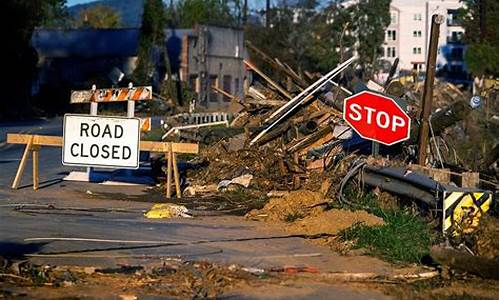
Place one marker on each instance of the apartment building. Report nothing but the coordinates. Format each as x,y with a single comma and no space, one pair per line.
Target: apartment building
408,35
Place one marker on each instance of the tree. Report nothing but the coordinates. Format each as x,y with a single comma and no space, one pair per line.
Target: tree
210,12
480,20
20,58
98,16
288,37
370,20
311,39
152,37
333,37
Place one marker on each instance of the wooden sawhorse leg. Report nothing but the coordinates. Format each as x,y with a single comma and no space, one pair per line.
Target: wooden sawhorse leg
36,153
172,166
22,164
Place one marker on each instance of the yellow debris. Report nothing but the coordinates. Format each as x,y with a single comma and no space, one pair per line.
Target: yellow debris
167,211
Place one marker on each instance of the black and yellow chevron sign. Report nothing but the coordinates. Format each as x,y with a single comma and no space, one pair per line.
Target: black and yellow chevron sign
463,210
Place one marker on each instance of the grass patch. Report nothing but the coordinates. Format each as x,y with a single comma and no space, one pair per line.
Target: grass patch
404,238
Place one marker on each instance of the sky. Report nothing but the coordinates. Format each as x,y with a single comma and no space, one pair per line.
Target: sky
74,2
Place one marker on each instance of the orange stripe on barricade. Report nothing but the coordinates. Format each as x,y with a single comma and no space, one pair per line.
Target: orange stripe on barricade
112,95
146,124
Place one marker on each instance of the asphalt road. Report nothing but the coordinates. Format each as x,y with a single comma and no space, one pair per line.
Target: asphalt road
62,209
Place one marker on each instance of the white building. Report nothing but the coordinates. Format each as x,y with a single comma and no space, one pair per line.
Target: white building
407,37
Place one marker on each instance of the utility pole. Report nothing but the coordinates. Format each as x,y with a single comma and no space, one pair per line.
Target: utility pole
245,11
268,13
430,72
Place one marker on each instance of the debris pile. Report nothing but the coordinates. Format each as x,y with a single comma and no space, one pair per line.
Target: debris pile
289,144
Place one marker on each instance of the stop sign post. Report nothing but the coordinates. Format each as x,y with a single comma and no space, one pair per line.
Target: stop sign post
377,118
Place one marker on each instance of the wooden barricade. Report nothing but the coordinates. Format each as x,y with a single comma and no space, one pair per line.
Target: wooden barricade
35,142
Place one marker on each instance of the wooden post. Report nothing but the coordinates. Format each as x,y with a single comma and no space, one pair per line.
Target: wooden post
22,163
36,152
430,71
169,171
176,177
469,180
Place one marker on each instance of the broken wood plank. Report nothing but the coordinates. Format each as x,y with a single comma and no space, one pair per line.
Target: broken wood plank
274,103
309,140
321,141
300,99
277,65
269,80
224,93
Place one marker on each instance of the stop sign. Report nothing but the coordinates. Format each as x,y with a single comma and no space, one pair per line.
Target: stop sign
377,118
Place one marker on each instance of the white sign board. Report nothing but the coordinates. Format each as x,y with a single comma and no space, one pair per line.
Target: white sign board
100,141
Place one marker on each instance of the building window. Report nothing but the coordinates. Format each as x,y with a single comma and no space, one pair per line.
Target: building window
391,52
212,96
226,86
418,67
455,37
417,17
452,18
417,50
236,87
394,18
391,35
192,82
417,33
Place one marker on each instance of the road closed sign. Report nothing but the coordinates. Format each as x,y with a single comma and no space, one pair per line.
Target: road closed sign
377,118
100,141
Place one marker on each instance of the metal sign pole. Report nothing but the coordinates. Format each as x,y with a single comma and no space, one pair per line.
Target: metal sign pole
93,112
375,148
130,114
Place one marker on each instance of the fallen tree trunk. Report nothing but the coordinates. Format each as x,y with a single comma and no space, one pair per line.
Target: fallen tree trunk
465,262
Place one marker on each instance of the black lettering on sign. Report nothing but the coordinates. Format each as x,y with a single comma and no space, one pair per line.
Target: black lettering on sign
118,131
105,151
94,150
126,152
82,154
72,153
95,130
114,152
107,131
84,127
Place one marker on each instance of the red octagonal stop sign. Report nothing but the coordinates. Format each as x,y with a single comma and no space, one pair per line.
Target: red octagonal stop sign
377,118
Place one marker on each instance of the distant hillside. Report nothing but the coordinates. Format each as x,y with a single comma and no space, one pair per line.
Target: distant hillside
129,10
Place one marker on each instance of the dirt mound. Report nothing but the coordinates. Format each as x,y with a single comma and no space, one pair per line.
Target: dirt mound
295,205
333,221
302,212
